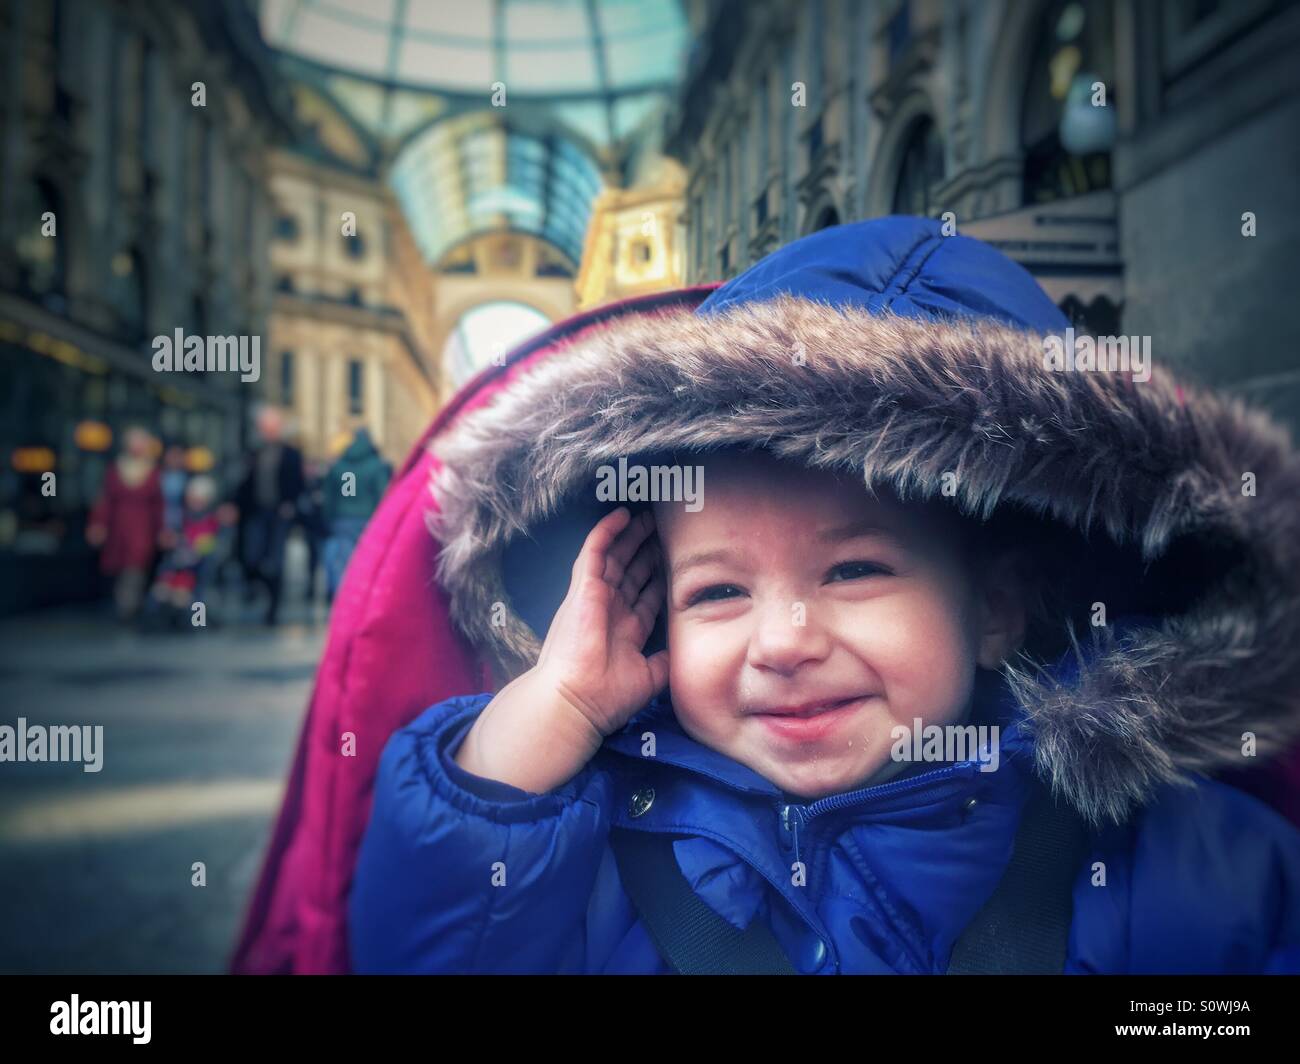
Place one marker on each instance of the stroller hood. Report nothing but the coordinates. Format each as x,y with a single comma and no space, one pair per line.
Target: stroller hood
891,351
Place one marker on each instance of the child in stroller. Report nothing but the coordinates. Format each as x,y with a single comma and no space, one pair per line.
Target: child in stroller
186,569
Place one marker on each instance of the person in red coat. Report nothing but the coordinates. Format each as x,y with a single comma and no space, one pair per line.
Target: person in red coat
127,520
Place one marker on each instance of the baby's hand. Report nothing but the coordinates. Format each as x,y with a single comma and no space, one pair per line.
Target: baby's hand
591,675
592,655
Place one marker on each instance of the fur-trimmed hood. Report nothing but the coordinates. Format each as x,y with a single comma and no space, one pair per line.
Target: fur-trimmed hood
881,352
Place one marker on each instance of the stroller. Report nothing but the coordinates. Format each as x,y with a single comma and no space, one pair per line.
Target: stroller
296,921
185,570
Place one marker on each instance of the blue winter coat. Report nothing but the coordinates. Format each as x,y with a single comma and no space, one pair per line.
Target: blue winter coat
1206,879
891,350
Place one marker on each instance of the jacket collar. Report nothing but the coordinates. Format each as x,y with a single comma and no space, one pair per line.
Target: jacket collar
737,825
919,784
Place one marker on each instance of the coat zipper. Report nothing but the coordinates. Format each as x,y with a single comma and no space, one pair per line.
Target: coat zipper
790,822
794,816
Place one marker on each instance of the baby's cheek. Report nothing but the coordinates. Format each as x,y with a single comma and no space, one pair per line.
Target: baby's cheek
925,659
701,680
688,661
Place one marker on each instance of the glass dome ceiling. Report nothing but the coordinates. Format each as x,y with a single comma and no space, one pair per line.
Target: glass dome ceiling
583,79
473,174
595,48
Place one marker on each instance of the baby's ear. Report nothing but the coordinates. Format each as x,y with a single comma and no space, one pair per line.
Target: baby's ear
1003,607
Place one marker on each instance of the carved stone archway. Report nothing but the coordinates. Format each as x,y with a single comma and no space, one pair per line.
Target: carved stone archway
893,145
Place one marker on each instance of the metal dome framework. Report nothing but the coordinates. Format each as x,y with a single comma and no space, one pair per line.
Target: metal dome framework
474,174
415,80
601,65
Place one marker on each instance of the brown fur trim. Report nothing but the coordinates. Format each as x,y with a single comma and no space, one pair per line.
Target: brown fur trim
901,402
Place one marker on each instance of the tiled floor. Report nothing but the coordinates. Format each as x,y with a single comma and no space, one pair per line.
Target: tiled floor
96,868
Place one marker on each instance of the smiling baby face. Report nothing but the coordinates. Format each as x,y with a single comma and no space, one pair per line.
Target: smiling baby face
806,619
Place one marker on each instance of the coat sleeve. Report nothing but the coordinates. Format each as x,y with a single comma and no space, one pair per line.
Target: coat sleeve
459,874
1208,882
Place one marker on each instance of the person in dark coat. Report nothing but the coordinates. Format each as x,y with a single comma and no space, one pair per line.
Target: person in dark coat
932,579
311,520
268,504
350,493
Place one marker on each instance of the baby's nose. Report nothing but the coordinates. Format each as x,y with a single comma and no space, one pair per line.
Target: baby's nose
786,636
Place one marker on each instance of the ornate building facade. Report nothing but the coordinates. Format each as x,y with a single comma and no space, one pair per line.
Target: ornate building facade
382,308
488,152
636,239
1113,147
349,328
134,200
386,199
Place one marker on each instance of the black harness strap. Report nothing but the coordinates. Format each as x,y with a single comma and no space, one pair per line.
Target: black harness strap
691,937
1023,928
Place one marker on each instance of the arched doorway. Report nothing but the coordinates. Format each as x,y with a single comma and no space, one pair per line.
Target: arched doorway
485,334
920,169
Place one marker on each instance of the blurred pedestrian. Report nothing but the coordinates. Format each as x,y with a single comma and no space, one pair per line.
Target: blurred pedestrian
173,477
268,504
126,521
350,494
312,519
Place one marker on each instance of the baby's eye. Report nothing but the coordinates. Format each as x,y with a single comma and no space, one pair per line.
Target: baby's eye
856,571
715,593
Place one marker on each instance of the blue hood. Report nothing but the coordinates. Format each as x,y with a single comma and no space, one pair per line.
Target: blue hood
925,374
897,265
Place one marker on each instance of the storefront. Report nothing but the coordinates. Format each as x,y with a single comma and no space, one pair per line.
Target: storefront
64,404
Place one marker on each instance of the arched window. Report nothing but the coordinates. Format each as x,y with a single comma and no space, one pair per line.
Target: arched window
920,170
828,217
1068,116
131,272
356,387
41,256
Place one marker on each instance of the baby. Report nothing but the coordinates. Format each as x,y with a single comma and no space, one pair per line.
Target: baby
807,621
726,721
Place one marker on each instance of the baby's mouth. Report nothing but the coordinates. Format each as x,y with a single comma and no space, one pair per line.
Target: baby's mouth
808,709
